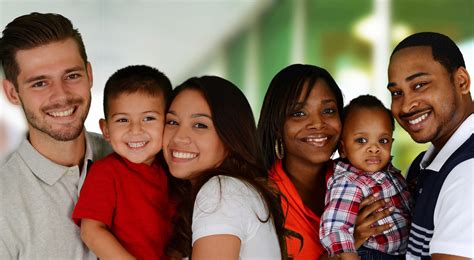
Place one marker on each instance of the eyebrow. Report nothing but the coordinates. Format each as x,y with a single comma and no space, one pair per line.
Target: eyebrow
192,115
144,112
41,77
409,78
325,101
118,114
366,133
151,111
360,133
77,68
32,79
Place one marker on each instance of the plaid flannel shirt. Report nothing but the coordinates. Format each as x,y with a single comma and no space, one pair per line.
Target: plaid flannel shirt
347,187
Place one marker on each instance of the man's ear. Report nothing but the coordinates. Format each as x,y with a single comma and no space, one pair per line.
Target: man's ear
104,129
10,92
89,74
462,80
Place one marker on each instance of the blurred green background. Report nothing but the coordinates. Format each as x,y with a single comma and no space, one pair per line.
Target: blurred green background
351,39
248,42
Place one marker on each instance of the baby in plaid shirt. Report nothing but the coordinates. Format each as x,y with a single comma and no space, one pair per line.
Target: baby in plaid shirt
365,169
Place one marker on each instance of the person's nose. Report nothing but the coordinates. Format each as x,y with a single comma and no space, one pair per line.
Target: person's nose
181,135
374,148
409,103
316,121
60,92
136,127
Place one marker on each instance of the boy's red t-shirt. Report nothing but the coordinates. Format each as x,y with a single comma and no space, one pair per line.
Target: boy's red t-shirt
132,200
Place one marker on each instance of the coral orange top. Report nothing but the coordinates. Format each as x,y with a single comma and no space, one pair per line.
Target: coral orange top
299,218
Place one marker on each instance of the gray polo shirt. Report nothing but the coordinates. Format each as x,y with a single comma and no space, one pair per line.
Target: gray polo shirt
37,198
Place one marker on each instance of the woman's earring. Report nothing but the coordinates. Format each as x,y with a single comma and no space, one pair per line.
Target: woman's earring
279,150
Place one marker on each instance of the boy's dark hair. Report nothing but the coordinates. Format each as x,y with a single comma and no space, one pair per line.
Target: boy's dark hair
31,31
443,49
136,78
366,101
281,100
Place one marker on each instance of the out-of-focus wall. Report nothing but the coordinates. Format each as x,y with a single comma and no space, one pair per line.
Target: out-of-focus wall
173,36
248,42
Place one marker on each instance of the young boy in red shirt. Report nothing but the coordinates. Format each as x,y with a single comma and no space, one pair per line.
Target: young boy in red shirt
124,208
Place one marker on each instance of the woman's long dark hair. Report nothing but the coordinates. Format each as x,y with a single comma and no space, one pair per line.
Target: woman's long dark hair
282,97
235,125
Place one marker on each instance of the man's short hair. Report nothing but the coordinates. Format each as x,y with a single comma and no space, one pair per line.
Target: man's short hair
443,49
136,78
31,31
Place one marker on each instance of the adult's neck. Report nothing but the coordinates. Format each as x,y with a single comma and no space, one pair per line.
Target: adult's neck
66,153
309,181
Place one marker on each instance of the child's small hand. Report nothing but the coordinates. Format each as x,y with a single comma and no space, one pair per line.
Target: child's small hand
369,213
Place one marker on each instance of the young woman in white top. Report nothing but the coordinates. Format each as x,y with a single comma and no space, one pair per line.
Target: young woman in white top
226,207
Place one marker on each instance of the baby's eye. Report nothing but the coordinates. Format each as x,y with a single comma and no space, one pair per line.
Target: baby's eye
384,141
361,140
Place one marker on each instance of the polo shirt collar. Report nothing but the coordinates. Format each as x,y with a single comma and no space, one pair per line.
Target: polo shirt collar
43,168
89,156
88,159
465,130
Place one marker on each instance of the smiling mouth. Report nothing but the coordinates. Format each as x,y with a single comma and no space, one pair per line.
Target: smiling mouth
184,155
316,141
64,113
418,119
136,145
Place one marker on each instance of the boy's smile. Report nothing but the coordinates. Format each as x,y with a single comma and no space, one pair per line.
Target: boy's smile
134,126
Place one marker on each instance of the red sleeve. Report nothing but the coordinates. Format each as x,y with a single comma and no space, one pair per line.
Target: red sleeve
98,196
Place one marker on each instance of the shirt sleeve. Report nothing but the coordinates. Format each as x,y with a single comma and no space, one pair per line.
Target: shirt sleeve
223,206
97,199
453,215
337,222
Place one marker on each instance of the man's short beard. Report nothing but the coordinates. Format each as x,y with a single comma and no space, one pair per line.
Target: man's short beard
65,135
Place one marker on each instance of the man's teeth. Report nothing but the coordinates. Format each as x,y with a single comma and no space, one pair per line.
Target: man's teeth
316,139
62,113
137,144
183,155
417,120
